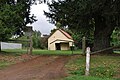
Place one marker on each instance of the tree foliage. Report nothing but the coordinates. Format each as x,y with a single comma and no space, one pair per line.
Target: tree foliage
115,37
14,16
97,17
36,39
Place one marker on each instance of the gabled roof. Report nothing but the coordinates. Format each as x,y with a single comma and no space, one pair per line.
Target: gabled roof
64,33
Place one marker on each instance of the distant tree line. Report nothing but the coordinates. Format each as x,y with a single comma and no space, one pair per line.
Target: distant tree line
39,42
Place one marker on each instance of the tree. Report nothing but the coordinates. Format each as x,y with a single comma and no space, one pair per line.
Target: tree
36,39
44,42
14,16
87,16
115,37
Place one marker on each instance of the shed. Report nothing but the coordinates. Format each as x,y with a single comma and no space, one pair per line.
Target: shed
60,40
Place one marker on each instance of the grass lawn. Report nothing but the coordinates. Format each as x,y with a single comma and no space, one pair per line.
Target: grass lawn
78,77
15,53
4,64
117,52
41,52
101,68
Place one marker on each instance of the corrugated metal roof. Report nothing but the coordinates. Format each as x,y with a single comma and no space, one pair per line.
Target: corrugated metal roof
65,33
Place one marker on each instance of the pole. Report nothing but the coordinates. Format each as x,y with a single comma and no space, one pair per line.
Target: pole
29,34
0,46
83,45
27,45
87,61
72,48
31,43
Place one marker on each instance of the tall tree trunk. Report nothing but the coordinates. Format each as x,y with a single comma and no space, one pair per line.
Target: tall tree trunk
0,46
102,34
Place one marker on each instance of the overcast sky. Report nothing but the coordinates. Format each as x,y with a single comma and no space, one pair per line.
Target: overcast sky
42,24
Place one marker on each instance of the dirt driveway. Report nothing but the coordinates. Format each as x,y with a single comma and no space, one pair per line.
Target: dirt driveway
39,68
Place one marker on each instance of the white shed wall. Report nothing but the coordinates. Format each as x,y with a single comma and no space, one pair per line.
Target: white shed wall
5,45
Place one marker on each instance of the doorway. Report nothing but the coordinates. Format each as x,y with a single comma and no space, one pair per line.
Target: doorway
58,47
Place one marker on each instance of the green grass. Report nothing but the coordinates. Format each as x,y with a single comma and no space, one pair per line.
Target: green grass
78,77
15,52
117,52
100,66
4,64
41,52
58,52
18,52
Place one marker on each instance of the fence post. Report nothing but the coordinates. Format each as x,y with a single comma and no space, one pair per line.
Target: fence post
83,45
31,44
87,61
29,31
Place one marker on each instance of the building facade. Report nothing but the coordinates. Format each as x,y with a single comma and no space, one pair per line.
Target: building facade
60,40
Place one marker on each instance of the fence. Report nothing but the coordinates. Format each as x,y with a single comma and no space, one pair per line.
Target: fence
88,53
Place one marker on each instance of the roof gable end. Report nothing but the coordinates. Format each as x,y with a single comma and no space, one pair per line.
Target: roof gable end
62,32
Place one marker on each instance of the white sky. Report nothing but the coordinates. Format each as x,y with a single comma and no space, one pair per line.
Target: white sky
42,24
